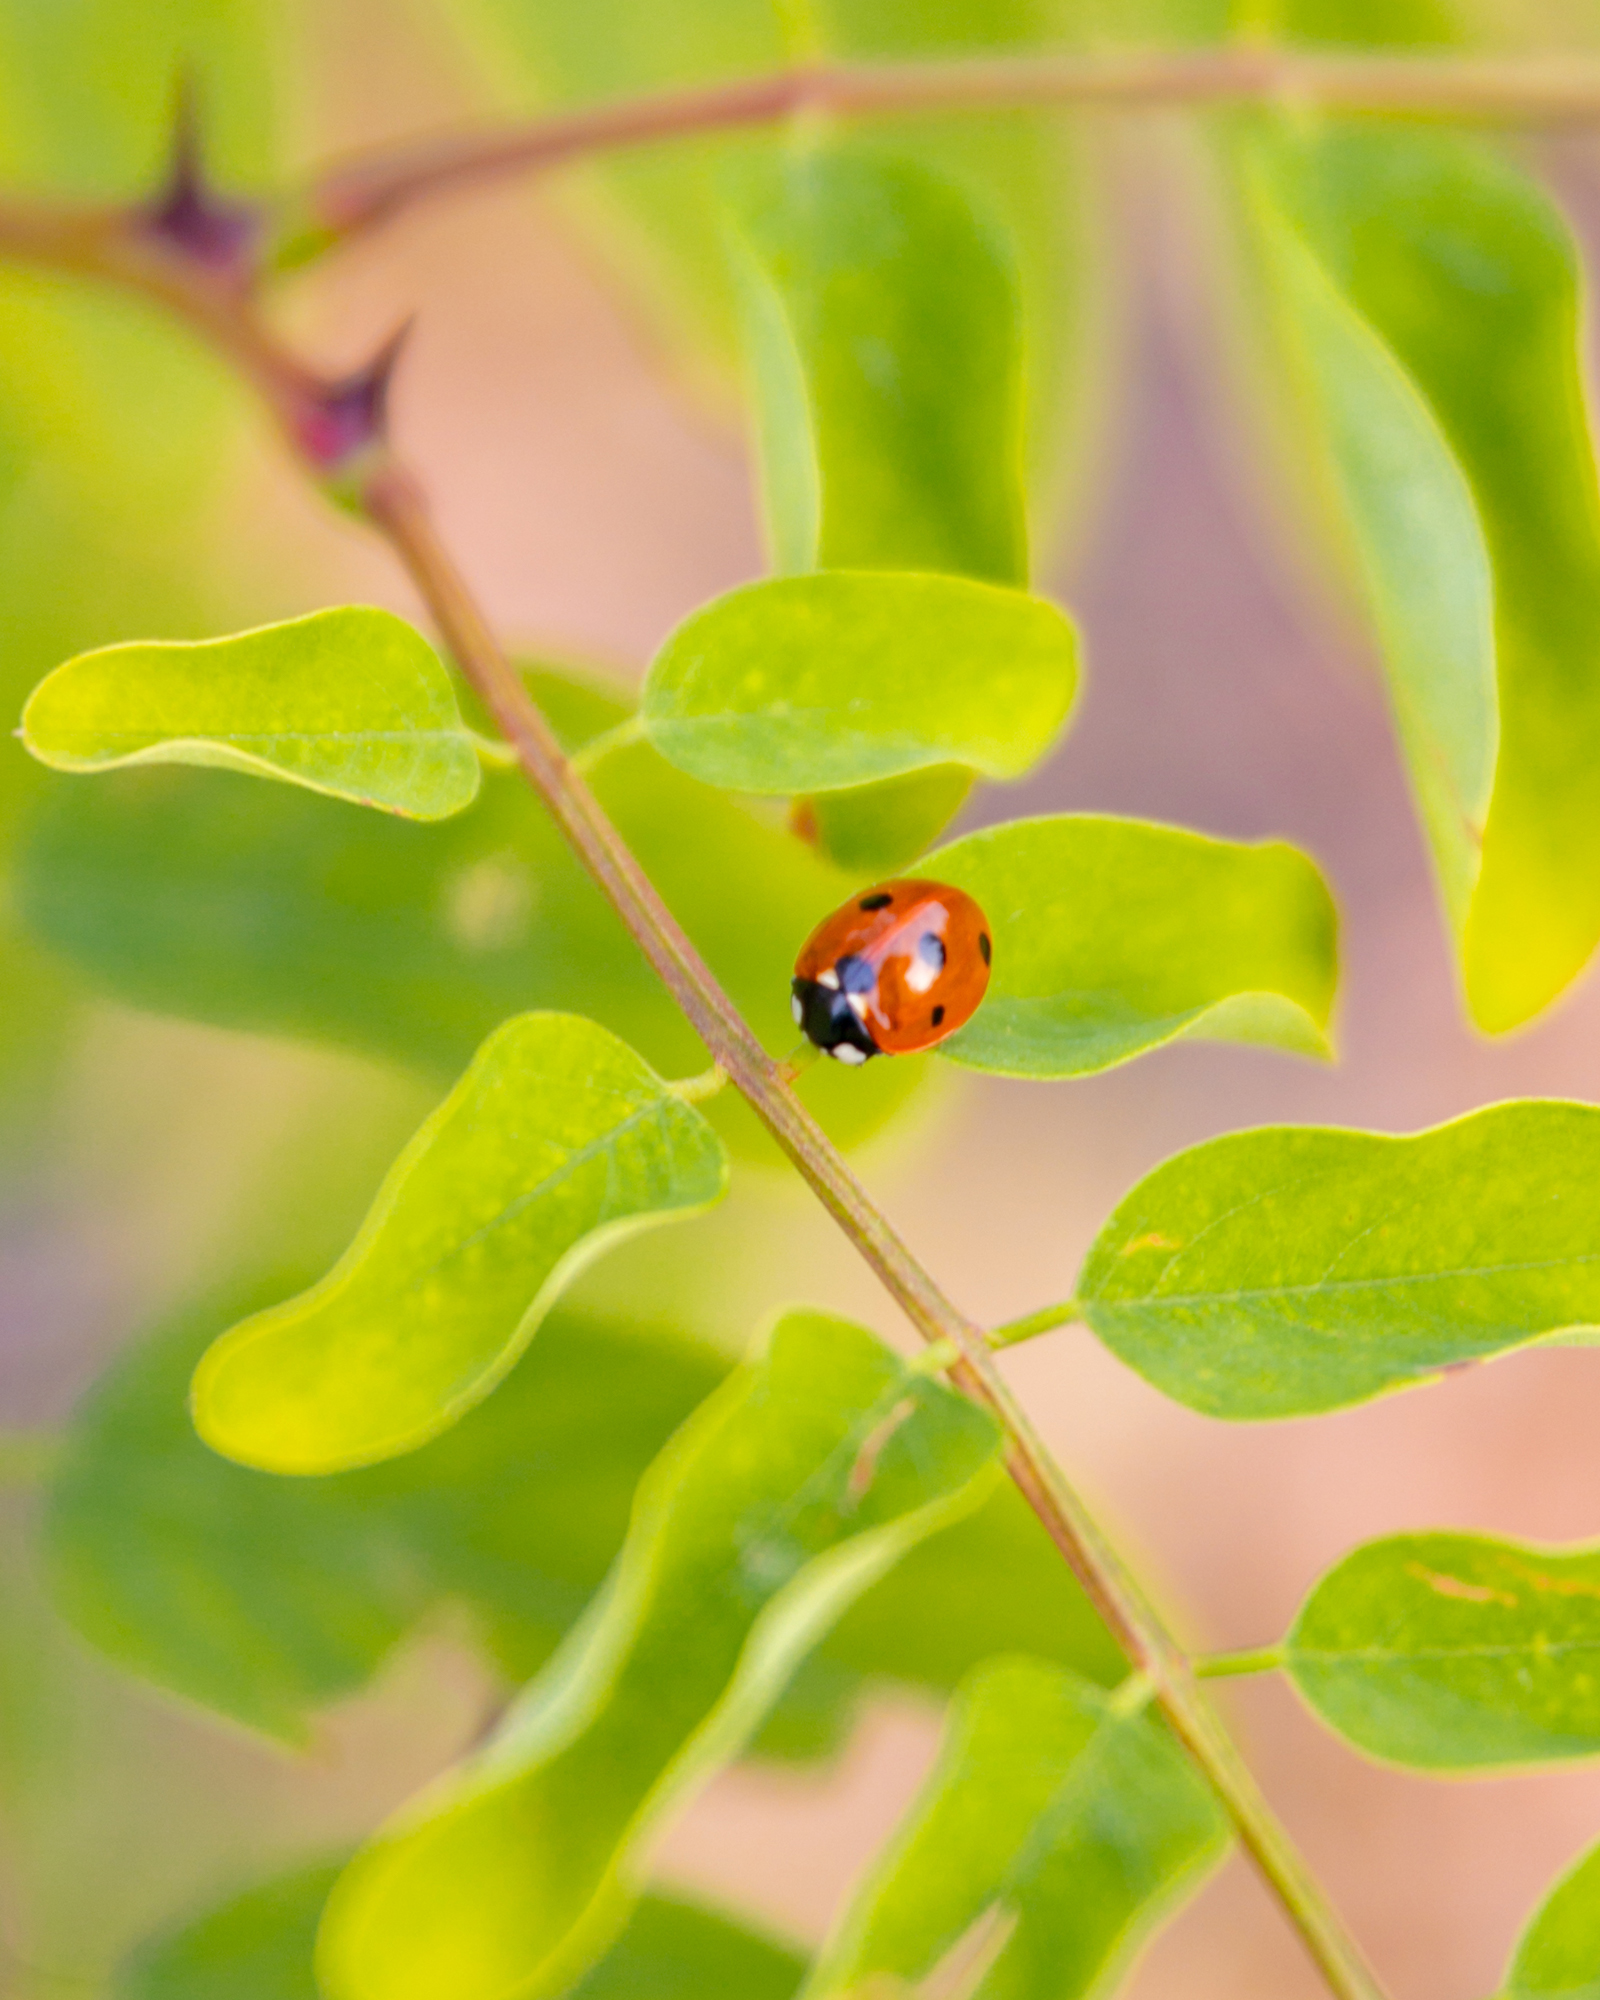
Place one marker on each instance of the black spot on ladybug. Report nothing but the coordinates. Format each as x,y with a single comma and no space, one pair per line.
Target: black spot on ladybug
983,946
878,902
855,974
930,949
938,1016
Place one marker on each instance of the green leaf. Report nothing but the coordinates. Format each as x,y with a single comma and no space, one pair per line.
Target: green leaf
1295,1269
1433,291
673,1950
1112,936
1558,1955
993,1582
265,1599
883,334
1404,504
801,1481
197,893
259,1946
352,702
1054,1832
1446,1652
556,1141
810,683
872,831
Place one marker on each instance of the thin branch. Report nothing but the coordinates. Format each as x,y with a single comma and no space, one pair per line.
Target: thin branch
1223,1666
1012,1331
365,472
366,191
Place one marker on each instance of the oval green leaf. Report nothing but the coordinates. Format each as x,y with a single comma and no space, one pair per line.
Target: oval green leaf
1056,1829
1295,1269
1447,1652
1558,1955
353,702
883,335
1112,936
556,1141
801,1481
811,683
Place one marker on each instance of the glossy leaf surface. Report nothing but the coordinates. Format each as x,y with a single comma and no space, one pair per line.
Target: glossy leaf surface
259,1945
1293,1269
809,683
1113,936
1053,1833
557,1140
1558,1955
795,1486
883,339
1403,259
352,702
201,894
1455,1652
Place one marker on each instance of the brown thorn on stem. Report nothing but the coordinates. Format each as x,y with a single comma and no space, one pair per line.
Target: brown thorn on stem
188,214
345,425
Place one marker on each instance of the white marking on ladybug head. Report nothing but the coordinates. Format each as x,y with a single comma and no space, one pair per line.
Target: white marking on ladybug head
847,1052
830,979
858,1005
796,1009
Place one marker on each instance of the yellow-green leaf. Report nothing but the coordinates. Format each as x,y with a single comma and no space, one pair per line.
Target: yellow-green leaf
800,1482
1429,293
810,683
1281,1272
1449,1652
556,1141
1558,1955
353,702
1112,936
1057,1828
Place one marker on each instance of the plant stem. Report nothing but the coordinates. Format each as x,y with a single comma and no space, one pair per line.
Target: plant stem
394,503
396,506
1528,91
1259,1660
1045,1320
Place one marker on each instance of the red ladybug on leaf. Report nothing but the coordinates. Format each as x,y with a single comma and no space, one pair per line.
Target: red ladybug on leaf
897,969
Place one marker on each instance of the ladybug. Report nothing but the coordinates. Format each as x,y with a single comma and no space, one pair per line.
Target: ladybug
895,970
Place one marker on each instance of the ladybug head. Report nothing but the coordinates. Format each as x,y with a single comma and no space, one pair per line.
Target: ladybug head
823,1011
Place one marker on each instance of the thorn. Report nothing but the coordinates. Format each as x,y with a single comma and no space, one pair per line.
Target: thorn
188,213
351,416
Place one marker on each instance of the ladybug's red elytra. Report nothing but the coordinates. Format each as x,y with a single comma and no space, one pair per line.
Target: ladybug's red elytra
898,968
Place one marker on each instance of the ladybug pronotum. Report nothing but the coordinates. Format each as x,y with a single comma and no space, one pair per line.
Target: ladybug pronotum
897,969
